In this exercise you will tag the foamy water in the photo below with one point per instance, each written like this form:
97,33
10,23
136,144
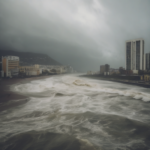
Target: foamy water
100,114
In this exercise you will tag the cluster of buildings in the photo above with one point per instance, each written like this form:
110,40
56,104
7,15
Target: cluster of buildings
10,68
135,57
136,61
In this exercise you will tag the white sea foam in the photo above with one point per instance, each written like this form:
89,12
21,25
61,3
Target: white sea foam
88,109
75,85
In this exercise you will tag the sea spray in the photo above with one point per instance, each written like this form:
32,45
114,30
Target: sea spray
94,114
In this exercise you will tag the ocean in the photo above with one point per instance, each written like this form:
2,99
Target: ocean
69,112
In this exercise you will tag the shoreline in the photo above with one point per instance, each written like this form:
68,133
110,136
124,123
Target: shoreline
9,98
131,82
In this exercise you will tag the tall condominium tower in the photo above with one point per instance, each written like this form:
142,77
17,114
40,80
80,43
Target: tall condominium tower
147,61
135,54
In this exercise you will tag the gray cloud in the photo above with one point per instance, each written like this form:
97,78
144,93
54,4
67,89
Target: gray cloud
82,33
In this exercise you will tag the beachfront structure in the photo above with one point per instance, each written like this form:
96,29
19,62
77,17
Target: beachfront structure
104,69
32,70
54,69
113,71
10,66
135,55
145,77
61,70
147,61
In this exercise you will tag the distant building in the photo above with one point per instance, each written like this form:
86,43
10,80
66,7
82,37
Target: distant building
129,72
33,70
10,66
104,69
147,61
135,55
107,68
122,71
114,71
145,77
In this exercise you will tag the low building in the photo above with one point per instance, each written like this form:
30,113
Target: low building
129,72
10,66
145,77
61,70
114,72
135,72
33,70
122,71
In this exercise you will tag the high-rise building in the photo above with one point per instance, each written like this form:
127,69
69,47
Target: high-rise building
10,65
104,69
147,61
135,55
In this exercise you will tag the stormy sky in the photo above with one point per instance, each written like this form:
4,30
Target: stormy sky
82,33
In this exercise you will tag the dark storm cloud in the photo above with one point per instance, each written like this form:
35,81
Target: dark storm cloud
82,33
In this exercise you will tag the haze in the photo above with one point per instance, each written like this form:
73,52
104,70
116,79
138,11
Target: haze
82,33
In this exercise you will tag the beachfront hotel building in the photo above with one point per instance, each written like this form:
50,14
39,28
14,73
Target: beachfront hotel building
135,55
147,61
10,66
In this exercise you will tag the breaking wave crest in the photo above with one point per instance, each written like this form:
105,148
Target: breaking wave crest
74,85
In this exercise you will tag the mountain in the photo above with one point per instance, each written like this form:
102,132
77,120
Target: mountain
30,58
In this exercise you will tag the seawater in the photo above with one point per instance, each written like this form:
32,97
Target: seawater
69,112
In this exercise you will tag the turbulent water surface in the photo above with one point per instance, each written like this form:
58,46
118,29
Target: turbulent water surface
69,112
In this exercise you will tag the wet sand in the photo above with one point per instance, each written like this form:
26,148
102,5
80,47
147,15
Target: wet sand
8,98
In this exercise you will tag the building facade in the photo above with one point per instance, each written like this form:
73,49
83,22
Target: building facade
147,61
135,55
104,69
10,66
33,70
145,77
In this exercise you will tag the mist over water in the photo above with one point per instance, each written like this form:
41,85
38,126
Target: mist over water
72,112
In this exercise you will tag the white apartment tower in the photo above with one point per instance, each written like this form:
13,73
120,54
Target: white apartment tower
135,55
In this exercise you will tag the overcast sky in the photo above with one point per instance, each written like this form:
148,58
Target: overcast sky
82,33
